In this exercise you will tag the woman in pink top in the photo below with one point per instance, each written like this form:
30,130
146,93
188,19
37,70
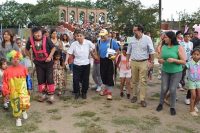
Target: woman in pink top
124,72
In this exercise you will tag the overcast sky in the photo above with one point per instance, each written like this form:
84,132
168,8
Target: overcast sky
170,7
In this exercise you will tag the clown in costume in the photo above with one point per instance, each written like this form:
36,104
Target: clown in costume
43,51
16,83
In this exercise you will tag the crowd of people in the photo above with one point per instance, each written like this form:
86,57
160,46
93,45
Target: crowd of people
51,55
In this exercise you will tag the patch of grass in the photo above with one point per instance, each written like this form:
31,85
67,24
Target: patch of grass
52,111
78,103
131,106
105,112
52,131
148,122
107,104
118,132
196,119
56,117
66,105
152,120
35,97
85,114
96,98
5,119
96,119
127,130
29,127
80,124
184,129
151,84
7,123
66,98
121,110
93,128
124,120
36,117
42,132
155,96
117,98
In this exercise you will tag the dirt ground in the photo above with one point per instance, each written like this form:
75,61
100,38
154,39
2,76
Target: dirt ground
97,115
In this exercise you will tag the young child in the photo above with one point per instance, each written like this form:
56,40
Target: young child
96,68
124,72
3,67
16,83
194,80
59,72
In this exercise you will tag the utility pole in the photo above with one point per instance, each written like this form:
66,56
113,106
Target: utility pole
160,13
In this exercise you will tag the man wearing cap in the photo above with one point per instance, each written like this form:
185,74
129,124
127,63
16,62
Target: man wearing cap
140,50
107,48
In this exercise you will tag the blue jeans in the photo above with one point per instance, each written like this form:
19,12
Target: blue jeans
169,81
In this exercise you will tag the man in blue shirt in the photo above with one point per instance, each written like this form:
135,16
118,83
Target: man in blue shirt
107,48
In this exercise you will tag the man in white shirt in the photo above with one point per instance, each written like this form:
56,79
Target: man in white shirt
80,50
139,51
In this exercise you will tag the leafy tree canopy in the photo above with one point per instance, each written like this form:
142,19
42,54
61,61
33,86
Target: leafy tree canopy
122,14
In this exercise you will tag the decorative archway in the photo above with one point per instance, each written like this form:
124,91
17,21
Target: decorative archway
92,17
102,18
81,17
63,16
72,16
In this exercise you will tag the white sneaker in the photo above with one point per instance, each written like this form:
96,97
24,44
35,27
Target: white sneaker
196,109
179,85
18,122
159,77
5,105
124,88
24,115
42,97
98,89
187,101
51,99
194,113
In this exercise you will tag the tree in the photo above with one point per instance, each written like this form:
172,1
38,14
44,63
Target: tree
8,11
189,19
123,14
49,18
15,14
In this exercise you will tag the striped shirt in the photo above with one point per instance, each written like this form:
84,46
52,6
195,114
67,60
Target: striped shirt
140,49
